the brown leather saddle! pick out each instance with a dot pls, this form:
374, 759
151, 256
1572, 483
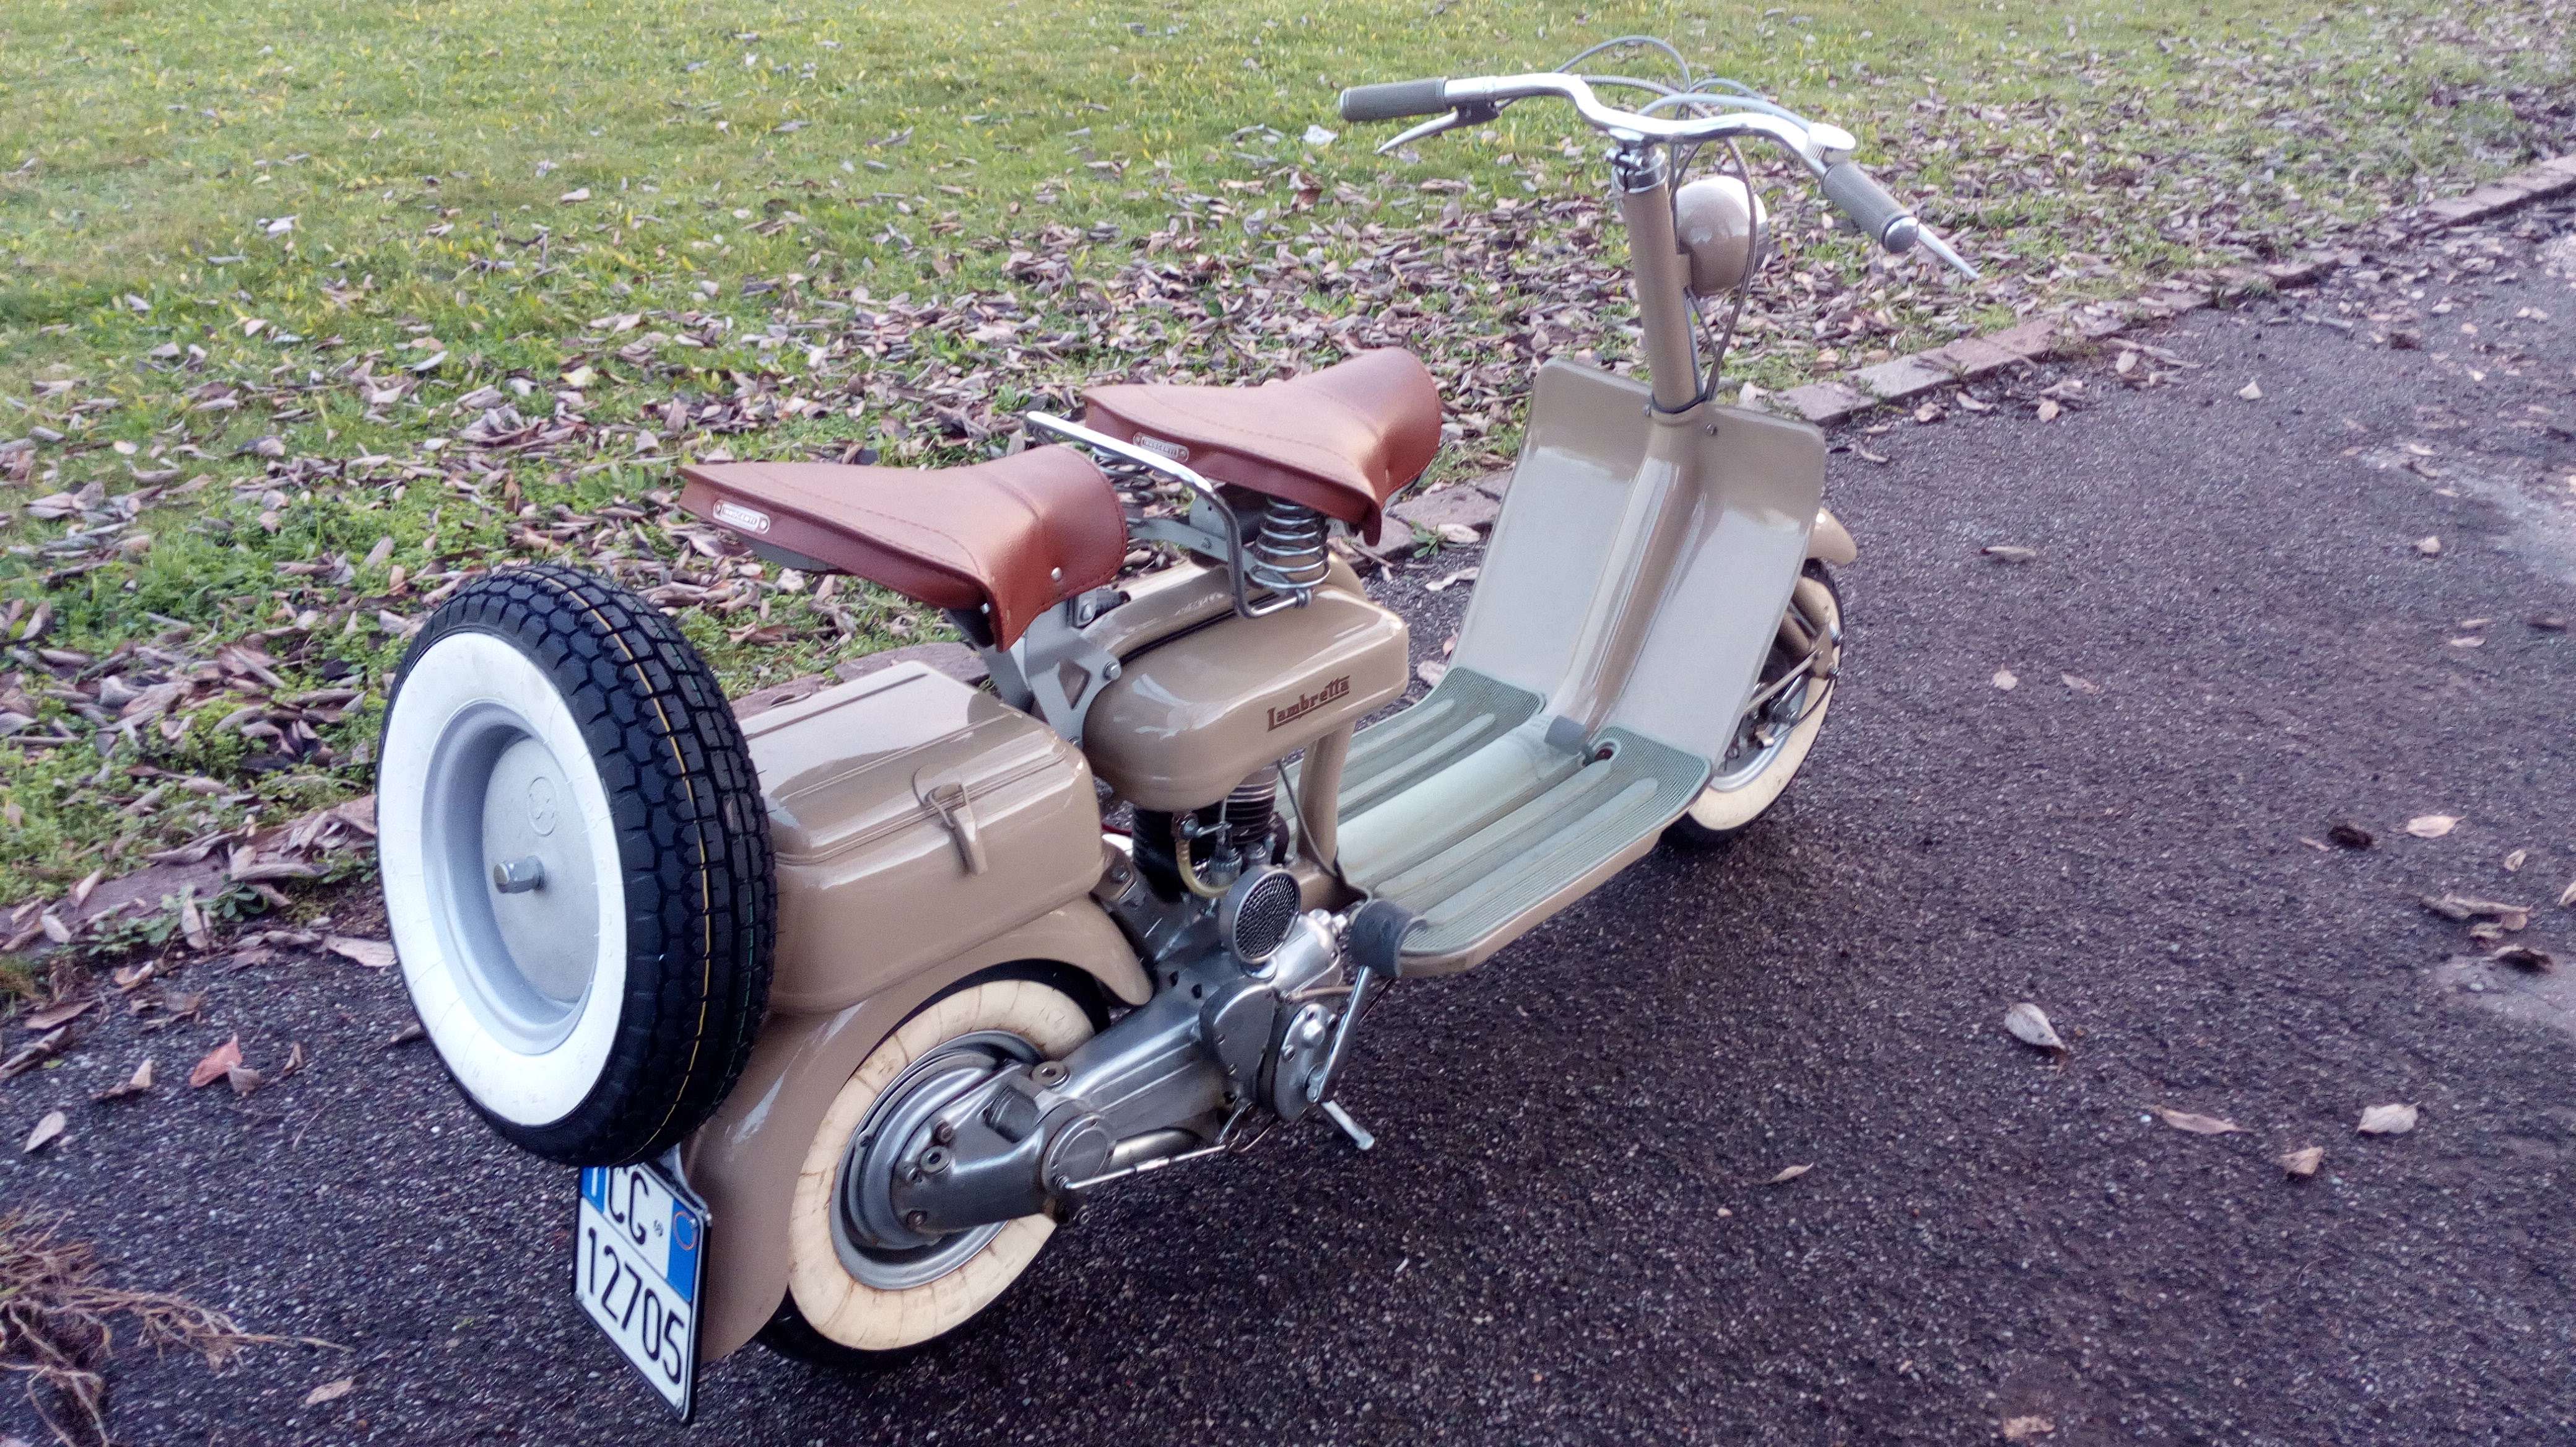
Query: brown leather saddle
1016, 536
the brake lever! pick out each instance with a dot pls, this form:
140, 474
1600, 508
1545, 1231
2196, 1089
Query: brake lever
1930, 241
1467, 115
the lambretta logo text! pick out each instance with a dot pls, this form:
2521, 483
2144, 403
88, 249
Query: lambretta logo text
735, 515
1309, 702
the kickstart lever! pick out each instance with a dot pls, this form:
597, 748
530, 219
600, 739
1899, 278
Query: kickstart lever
1376, 940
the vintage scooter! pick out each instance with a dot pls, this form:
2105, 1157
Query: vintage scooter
846, 1005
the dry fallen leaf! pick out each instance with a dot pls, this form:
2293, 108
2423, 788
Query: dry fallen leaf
406, 1035
47, 1131
2524, 957
374, 954
2196, 1124
1788, 1174
135, 1084
2304, 1161
2430, 546
2009, 553
2048, 409
1460, 535
2508, 917
330, 1391
2567, 896
2128, 363
2388, 1120
2513, 861
2432, 826
2251, 392
2006, 679
2350, 835
60, 1013
2029, 1025
218, 1064
2084, 686
244, 1080
2022, 1429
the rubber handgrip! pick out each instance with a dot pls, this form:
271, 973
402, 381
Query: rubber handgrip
1863, 200
1394, 100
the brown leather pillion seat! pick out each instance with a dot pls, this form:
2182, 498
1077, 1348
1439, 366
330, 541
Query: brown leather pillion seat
1014, 536
1341, 440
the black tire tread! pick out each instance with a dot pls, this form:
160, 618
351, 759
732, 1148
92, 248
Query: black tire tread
693, 846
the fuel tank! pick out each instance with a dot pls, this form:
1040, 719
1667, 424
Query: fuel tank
1191, 718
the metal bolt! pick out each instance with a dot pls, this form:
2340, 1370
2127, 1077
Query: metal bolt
1048, 1072
934, 1162
916, 1219
944, 1133
518, 876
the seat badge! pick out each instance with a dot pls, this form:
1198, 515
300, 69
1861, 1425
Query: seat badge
735, 515
1172, 450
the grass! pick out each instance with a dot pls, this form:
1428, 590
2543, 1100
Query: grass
241, 234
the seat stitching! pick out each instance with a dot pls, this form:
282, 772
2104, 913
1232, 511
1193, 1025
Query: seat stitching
824, 502
1289, 442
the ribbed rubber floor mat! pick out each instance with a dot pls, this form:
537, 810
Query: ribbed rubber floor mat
1483, 820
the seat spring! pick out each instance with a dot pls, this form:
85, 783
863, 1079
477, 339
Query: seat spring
1288, 553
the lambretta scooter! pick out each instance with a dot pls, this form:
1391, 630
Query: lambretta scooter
846, 1005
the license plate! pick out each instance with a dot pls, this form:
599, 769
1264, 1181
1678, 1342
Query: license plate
638, 1244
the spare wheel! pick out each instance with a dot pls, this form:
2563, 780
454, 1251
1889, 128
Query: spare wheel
576, 864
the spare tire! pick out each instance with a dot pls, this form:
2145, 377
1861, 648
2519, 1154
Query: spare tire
576, 864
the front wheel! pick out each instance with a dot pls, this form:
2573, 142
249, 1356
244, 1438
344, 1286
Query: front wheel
1771, 742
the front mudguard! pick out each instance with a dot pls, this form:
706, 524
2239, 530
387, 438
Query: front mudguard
1831, 542
745, 1161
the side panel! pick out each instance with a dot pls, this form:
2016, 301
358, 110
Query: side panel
745, 1161
912, 816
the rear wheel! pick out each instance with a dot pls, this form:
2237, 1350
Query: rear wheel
861, 1289
576, 865
1771, 742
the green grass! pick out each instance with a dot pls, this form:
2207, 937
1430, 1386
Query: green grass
762, 177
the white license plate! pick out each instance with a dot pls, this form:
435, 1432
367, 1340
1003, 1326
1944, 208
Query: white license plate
639, 1243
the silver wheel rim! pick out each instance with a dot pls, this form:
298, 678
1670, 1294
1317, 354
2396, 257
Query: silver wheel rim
497, 798
874, 1245
1746, 753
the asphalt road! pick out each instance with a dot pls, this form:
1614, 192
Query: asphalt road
1565, 1235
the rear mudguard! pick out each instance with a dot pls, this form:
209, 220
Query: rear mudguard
745, 1161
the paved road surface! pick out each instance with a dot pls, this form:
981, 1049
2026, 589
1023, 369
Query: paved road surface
1566, 1236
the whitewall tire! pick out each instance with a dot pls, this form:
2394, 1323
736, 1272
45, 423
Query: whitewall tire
849, 1305
576, 864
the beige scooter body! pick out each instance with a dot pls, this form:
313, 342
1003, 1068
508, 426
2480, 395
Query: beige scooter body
1021, 942
1728, 496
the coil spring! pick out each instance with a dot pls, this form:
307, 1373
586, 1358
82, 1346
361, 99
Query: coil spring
1288, 552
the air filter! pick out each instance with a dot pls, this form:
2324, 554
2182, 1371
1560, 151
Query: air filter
1255, 915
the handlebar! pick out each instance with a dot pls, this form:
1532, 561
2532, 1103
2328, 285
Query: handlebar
1394, 100
1866, 204
1824, 149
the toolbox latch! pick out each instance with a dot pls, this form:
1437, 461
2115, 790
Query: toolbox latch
947, 798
